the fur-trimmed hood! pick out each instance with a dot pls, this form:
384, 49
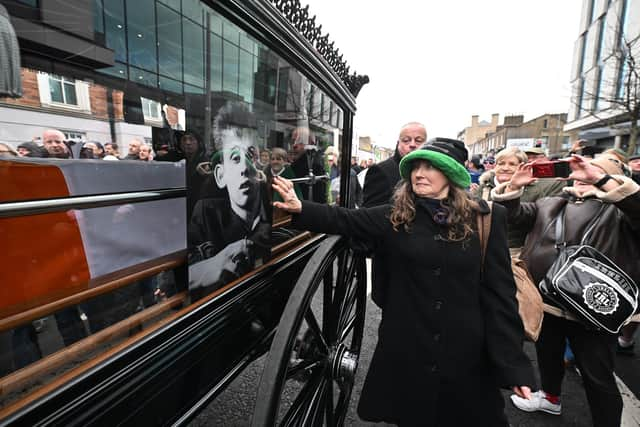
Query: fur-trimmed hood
487, 178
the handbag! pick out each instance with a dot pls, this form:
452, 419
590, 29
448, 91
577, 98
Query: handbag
530, 305
587, 284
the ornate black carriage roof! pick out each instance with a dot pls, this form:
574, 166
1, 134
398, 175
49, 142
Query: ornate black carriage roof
299, 17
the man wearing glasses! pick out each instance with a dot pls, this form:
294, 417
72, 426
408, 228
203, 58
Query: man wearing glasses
379, 183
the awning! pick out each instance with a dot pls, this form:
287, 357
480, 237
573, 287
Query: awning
10, 79
605, 131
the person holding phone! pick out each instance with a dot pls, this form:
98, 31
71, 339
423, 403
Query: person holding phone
507, 162
603, 193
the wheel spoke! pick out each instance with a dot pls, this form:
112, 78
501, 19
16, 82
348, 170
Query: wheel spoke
346, 263
348, 328
297, 408
328, 405
301, 366
348, 305
327, 304
315, 328
314, 413
343, 403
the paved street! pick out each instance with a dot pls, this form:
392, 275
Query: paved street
234, 407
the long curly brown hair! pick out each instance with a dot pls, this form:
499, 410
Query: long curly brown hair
461, 217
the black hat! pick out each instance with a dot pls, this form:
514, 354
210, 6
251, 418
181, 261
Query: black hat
450, 147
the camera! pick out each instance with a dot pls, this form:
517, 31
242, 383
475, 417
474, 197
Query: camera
552, 169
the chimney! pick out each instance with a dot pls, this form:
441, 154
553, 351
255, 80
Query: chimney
495, 118
474, 121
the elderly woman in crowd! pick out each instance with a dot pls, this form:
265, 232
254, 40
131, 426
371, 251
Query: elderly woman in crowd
507, 162
607, 202
450, 336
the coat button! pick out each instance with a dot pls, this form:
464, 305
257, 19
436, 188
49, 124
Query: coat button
436, 337
437, 305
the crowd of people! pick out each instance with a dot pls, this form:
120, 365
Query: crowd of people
416, 216
419, 221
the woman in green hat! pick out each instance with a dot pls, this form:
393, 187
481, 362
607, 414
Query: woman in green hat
450, 336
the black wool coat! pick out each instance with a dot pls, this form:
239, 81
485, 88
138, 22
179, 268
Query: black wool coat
379, 183
447, 340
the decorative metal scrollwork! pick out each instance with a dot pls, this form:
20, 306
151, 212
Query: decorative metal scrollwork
306, 25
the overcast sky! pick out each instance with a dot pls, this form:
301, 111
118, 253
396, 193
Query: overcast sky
442, 61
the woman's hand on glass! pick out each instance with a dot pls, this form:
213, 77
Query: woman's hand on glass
284, 187
522, 177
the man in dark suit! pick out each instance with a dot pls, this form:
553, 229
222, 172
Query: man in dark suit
379, 184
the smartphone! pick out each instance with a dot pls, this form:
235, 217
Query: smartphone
554, 169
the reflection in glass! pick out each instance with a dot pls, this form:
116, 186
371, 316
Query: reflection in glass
169, 43
115, 28
230, 67
193, 9
141, 34
230, 235
193, 53
62, 90
216, 63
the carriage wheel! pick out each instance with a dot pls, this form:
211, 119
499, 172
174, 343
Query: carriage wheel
310, 370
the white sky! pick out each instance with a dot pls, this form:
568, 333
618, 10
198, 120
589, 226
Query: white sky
441, 61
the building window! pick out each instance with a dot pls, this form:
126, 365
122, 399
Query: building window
151, 109
62, 90
624, 20
57, 91
545, 124
599, 89
622, 79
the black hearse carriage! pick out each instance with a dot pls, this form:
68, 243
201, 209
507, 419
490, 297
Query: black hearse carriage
143, 266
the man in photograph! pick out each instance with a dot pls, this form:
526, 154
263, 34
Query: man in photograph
229, 236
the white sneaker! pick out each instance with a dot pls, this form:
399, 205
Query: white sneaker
538, 402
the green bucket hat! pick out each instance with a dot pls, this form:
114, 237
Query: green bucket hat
446, 155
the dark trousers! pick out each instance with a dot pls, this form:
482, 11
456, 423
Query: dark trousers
594, 354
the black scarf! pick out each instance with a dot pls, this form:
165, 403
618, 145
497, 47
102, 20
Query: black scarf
434, 207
